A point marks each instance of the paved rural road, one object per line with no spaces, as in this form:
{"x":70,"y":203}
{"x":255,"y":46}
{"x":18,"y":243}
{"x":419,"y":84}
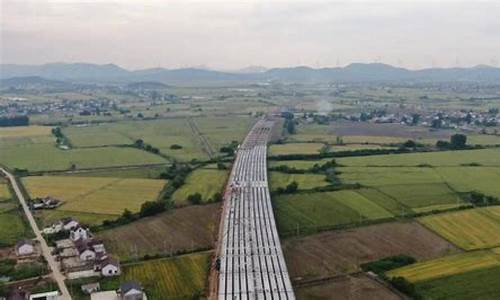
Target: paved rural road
{"x":252,"y":265}
{"x":56,"y":274}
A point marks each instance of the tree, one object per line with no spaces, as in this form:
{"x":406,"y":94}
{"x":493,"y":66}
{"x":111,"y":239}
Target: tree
{"x":194,"y":198}
{"x":175,"y":147}
{"x":290,"y":126}
{"x":292,"y":187}
{"x":414,"y":119}
{"x":442,"y":144}
{"x":410,"y":144}
{"x":150,"y":208}
{"x":458,"y":141}
{"x":139,"y":143}
{"x":436,"y":123}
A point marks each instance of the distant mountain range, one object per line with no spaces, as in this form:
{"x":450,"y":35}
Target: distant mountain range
{"x":356,"y":72}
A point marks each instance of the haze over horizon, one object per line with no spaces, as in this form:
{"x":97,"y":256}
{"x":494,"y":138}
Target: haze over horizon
{"x":229,"y":36}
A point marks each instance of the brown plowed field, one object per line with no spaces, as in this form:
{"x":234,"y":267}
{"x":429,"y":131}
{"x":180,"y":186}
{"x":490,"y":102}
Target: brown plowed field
{"x":181,"y":229}
{"x":359,"y":287}
{"x":338,"y":252}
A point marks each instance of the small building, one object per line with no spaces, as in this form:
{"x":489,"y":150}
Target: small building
{"x":79,"y":233}
{"x":25,"y":247}
{"x":106,"y":295}
{"x":91,"y":288}
{"x":109,"y":267}
{"x":131,"y":290}
{"x":54,"y":295}
{"x":69,"y":223}
{"x":54,"y":228}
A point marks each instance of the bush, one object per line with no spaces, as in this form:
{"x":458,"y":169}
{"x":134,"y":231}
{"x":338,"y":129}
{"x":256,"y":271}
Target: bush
{"x":150,"y":208}
{"x":404,"y":286}
{"x":388,"y":263}
{"x":194,"y":198}
{"x":175,"y":147}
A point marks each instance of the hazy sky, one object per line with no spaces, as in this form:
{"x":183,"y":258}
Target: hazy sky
{"x":233,"y":34}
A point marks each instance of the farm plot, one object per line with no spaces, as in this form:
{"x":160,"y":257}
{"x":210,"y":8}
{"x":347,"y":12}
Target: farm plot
{"x":358,"y":287}
{"x":24,"y":131}
{"x":308,"y":212}
{"x":354,"y":147}
{"x":182,"y":229}
{"x":337,"y":252}
{"x":4,"y":190}
{"x":222,"y":130}
{"x":380,"y":176}
{"x":470,"y":229}
{"x":304,"y":181}
{"x":423,"y":197}
{"x":99,"y":195}
{"x":467,"y":179}
{"x":181,"y":277}
{"x":161,"y":134}
{"x":45,"y":157}
{"x":477,"y":284}
{"x":486,"y":157}
{"x":148,"y":172}
{"x":297,"y":164}
{"x":447,"y":266}
{"x":207,"y":182}
{"x":295,"y":148}
{"x":12,"y":228}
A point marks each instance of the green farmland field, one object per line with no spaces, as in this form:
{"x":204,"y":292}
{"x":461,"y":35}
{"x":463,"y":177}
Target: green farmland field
{"x":42,"y":157}
{"x":298,"y":164}
{"x":309,"y":211}
{"x":182,"y":277}
{"x":207,"y":182}
{"x":469,"y":229}
{"x":295,"y":148}
{"x":305,"y":181}
{"x":99,"y":195}
{"x":12,"y":228}
{"x":447,"y":266}
{"x":489,"y":157}
{"x":477,"y":284}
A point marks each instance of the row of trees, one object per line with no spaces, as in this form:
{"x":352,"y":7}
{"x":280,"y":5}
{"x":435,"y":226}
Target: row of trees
{"x":14,"y":121}
{"x":140,"y":144}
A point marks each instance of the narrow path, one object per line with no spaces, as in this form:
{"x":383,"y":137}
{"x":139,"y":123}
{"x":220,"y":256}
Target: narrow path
{"x":56,"y":273}
{"x":203,"y":139}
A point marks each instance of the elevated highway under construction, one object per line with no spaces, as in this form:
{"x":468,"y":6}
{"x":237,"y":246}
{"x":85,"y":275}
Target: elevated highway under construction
{"x":250,"y":260}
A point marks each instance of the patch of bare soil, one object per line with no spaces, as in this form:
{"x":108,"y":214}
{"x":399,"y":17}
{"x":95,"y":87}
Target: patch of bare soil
{"x":339,"y":252}
{"x":359,"y":287}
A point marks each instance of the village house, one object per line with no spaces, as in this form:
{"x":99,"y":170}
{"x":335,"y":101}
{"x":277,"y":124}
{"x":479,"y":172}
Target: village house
{"x":54,"y":228}
{"x":46,"y":202}
{"x":91,"y":288}
{"x":69,"y":223}
{"x":131,"y":290}
{"x":109,"y":267}
{"x":25,"y":247}
{"x":79,"y":233}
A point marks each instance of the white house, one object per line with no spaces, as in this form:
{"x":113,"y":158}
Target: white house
{"x":54,"y":228}
{"x":79,"y":233}
{"x":109,"y":267}
{"x":25,"y":247}
{"x":87,"y":254}
{"x":69,"y":223}
{"x":54,"y":295}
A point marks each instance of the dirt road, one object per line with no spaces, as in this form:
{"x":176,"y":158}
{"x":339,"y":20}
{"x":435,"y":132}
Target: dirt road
{"x":56,"y":274}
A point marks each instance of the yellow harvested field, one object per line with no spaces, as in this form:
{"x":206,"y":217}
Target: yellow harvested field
{"x":102,"y":195}
{"x":24,"y":131}
{"x":447,"y":266}
{"x":469,"y":229}
{"x":4,"y":191}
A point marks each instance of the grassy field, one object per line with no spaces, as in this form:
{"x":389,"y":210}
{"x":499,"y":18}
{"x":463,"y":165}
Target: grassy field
{"x":478,"y":284}
{"x":164,"y":133}
{"x":470,"y":229}
{"x":447,"y":266}
{"x":136,"y":172}
{"x":12,"y":228}
{"x":42,"y":157}
{"x":354,"y":147}
{"x":181,"y":229}
{"x":207,"y":182}
{"x":181,"y":277}
{"x":4,"y":190}
{"x":100,"y":195}
{"x":298,"y":164}
{"x":305,"y":181}
{"x":24,"y":131}
{"x":310,"y":211}
{"x":295,"y":148}
{"x":489,"y":157}
{"x":466,"y":179}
